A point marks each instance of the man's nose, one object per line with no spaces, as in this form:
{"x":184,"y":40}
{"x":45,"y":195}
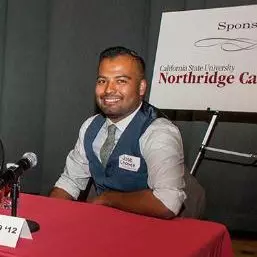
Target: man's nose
{"x":110,"y":87}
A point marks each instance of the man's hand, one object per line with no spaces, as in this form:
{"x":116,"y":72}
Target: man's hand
{"x":140,"y":202}
{"x":101,"y":199}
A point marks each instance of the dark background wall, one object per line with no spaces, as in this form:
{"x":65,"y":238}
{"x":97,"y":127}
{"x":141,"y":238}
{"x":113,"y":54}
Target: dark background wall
{"x":48,"y":59}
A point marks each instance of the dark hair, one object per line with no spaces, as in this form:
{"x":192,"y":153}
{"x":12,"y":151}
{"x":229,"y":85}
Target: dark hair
{"x":116,"y":51}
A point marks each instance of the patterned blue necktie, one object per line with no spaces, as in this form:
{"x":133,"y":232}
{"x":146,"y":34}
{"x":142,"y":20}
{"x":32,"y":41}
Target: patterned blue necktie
{"x":108,"y":145}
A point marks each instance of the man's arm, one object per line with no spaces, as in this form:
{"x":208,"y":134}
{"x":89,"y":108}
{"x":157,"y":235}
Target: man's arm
{"x":60,"y":193}
{"x":140,"y":202}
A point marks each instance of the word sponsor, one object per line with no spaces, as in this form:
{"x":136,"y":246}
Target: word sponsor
{"x":223,"y":25}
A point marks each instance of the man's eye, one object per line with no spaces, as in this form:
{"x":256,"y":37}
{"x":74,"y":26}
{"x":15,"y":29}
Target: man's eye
{"x":121,"y":81}
{"x":100,"y":81}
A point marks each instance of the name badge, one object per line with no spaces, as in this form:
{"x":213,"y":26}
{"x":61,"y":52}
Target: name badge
{"x":129,"y":162}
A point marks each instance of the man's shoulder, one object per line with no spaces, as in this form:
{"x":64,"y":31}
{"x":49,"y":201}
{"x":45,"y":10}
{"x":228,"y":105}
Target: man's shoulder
{"x":162,"y":125}
{"x":162,"y":122}
{"x":86,"y":123}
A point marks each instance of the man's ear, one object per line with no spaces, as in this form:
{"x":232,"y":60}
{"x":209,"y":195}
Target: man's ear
{"x":142,"y":87}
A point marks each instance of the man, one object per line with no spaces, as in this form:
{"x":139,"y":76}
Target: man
{"x":137,"y":165}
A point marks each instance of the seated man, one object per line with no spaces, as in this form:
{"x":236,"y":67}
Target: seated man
{"x":134,"y":155}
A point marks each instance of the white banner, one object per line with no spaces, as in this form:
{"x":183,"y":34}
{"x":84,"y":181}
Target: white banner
{"x":207,"y":59}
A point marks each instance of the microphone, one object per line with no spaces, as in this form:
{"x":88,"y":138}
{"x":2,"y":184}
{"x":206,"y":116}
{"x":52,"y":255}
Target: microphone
{"x":28,"y":160}
{"x":10,"y":177}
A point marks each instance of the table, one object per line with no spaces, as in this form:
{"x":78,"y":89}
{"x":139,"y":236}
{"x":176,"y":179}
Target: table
{"x":69,"y":228}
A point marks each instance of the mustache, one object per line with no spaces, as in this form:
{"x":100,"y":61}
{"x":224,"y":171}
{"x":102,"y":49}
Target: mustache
{"x":110,"y":96}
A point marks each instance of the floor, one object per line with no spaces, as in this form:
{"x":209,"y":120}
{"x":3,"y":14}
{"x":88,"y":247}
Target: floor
{"x":244,"y":245}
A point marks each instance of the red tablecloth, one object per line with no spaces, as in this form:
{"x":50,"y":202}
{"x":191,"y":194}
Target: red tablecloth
{"x":79,"y":229}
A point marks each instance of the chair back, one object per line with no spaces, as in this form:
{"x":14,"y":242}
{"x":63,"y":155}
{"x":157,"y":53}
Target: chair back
{"x":194,"y":205}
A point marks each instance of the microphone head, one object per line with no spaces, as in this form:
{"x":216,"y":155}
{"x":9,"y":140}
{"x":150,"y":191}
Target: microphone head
{"x":31,"y":157}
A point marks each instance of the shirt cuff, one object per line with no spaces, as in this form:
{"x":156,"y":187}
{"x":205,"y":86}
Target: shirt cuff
{"x":68,"y":186}
{"x":172,"y":199}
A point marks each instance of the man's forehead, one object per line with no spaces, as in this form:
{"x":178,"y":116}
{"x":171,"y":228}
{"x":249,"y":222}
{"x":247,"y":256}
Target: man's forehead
{"x":121,"y":62}
{"x":116,"y":77}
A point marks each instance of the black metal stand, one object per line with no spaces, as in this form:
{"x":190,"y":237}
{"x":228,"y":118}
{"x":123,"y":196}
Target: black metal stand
{"x":204,"y":146}
{"x":14,"y":196}
{"x":33,"y":226}
{"x":204,"y":143}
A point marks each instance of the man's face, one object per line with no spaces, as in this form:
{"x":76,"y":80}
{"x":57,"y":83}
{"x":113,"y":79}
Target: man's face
{"x":119,"y":87}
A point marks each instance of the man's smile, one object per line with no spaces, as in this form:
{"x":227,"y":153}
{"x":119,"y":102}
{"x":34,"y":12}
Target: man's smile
{"x":110,"y":100}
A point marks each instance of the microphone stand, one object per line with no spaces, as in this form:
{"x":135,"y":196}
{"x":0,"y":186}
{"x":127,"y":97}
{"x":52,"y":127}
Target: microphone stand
{"x":14,"y":196}
{"x":15,"y":190}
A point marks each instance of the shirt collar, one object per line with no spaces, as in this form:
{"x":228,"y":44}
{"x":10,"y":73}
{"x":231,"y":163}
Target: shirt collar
{"x":122,"y":124}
